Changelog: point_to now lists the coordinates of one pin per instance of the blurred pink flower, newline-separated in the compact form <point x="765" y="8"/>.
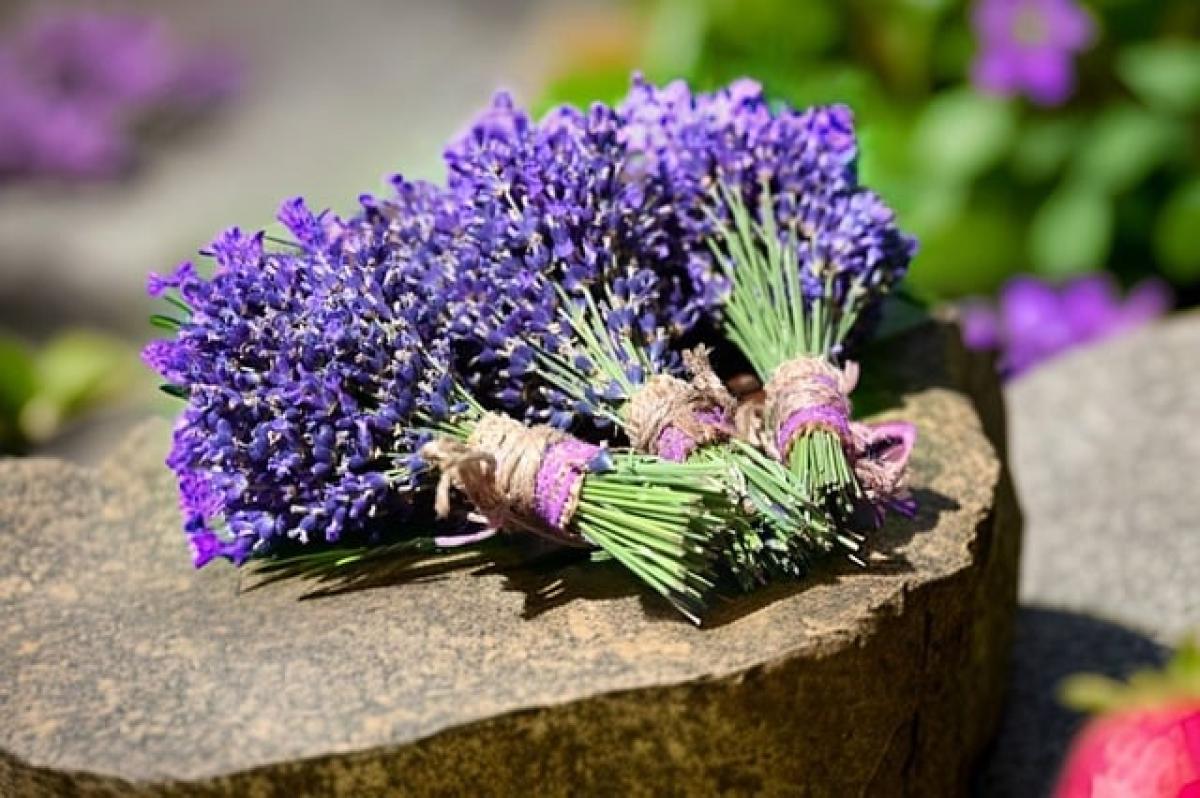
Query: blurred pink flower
<point x="1137" y="753"/>
<point x="1028" y="47"/>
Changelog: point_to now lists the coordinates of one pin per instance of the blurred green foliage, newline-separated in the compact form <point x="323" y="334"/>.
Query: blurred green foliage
<point x="991" y="186"/>
<point x="43" y="388"/>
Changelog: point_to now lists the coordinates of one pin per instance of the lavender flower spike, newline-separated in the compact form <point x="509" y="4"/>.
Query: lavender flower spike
<point x="301" y="367"/>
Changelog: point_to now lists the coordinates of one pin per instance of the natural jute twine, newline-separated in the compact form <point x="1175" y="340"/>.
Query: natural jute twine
<point x="497" y="468"/>
<point x="667" y="402"/>
<point x="806" y="393"/>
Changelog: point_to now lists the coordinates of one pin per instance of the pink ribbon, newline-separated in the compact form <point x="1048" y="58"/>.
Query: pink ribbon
<point x="880" y="453"/>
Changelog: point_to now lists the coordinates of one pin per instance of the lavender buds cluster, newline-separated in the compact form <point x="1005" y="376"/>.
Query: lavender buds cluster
<point x="364" y="376"/>
<point x="301" y="365"/>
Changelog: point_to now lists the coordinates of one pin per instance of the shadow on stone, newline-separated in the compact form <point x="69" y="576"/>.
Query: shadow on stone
<point x="552" y="582"/>
<point x="1036" y="728"/>
<point x="560" y="578"/>
<point x="550" y="578"/>
<point x="897" y="532"/>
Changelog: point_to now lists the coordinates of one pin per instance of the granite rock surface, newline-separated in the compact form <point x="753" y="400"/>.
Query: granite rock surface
<point x="126" y="673"/>
<point x="1106" y="460"/>
<point x="1106" y="447"/>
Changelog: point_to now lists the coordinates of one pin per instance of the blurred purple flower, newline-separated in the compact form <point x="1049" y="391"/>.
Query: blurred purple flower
<point x="74" y="83"/>
<point x="1035" y="321"/>
<point x="1028" y="46"/>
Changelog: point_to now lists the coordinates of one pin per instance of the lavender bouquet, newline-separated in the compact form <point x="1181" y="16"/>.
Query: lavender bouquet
<point x="616" y="369"/>
<point x="350" y="388"/>
<point x="660" y="519"/>
<point x="691" y="161"/>
<point x="316" y="376"/>
<point x="621" y="199"/>
<point x="795" y="341"/>
<point x="302" y="366"/>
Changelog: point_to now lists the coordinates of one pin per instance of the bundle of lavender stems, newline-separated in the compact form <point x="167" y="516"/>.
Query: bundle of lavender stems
<point x="522" y="353"/>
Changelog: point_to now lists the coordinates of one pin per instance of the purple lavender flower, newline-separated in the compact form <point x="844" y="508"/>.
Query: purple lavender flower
<point x="548" y="203"/>
<point x="607" y="353"/>
<point x="627" y="196"/>
<point x="1036" y="321"/>
<point x="303" y="365"/>
<point x="689" y="144"/>
<point x="1028" y="47"/>
<point x="73" y="83"/>
<point x="302" y="368"/>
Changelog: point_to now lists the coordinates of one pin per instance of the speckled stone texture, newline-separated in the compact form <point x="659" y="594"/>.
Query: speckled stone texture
<point x="1123" y="475"/>
<point x="124" y="672"/>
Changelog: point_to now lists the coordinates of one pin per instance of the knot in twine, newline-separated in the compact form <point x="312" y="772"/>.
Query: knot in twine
<point x="880" y="454"/>
<point x="807" y="393"/>
<point x="670" y="417"/>
<point x="518" y="477"/>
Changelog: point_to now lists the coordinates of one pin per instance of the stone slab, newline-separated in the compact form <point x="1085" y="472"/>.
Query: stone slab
<point x="1106" y="447"/>
<point x="126" y="673"/>
<point x="1106" y="459"/>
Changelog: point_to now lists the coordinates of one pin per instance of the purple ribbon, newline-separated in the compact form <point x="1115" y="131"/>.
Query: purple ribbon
<point x="881" y="454"/>
<point x="563" y="465"/>
<point x="829" y="416"/>
<point x="677" y="446"/>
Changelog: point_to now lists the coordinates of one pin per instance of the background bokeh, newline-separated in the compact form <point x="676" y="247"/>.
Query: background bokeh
<point x="992" y="185"/>
<point x="996" y="178"/>
<point x="331" y="98"/>
<point x="1044" y="152"/>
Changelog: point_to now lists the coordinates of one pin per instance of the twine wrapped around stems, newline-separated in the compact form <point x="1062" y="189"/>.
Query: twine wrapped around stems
<point x="671" y="418"/>
<point x="808" y="393"/>
<point x="878" y="453"/>
<point x="518" y="477"/>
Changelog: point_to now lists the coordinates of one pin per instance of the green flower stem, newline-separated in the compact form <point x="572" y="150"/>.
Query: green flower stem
<point x="771" y="321"/>
<point x="767" y="522"/>
<point x="651" y="516"/>
<point x="819" y="461"/>
<point x="348" y="565"/>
